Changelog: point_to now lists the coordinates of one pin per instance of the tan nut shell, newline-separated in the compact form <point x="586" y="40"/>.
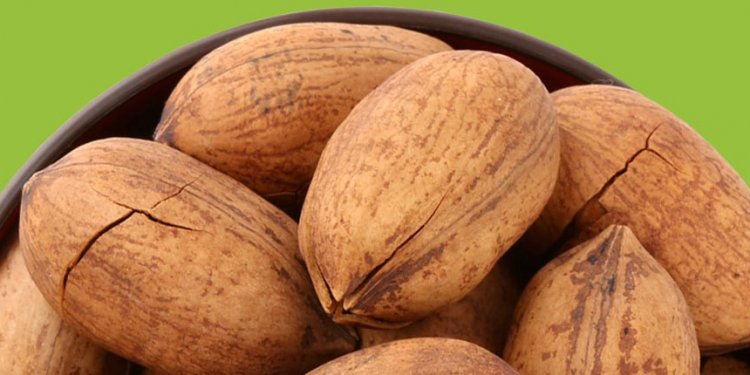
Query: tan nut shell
<point x="426" y="184"/>
<point x="603" y="307"/>
<point x="33" y="338"/>
<point x="627" y="160"/>
<point x="420" y="356"/>
<point x="167" y="262"/>
<point x="483" y="317"/>
<point x="262" y="107"/>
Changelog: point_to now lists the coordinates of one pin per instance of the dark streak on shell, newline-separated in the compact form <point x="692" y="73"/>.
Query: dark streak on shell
<point x="618" y="314"/>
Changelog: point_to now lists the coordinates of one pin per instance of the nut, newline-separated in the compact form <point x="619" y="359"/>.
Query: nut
<point x="34" y="340"/>
<point x="158" y="258"/>
<point x="418" y="356"/>
<point x="262" y="107"/>
<point x="603" y="307"/>
<point x="627" y="160"/>
<point x="425" y="185"/>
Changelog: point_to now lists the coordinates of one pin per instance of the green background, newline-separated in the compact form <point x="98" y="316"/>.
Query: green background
<point x="57" y="56"/>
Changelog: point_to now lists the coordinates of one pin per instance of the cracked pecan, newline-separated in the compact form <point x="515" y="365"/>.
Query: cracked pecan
<point x="161" y="259"/>
<point x="424" y="186"/>
<point x="627" y="160"/>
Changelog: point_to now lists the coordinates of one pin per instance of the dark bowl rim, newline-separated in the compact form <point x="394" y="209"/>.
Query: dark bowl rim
<point x="416" y="19"/>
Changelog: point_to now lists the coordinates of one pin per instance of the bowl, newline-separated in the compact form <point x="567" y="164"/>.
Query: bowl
<point x="132" y="108"/>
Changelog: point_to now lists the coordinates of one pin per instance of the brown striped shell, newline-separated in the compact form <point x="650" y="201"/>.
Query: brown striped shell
<point x="33" y="338"/>
<point x="262" y="107"/>
<point x="627" y="160"/>
<point x="603" y="307"/>
<point x="165" y="261"/>
<point x="420" y="356"/>
<point x="426" y="184"/>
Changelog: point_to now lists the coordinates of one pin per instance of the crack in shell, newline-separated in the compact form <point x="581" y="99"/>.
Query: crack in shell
<point x="96" y="236"/>
<point x="580" y="220"/>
